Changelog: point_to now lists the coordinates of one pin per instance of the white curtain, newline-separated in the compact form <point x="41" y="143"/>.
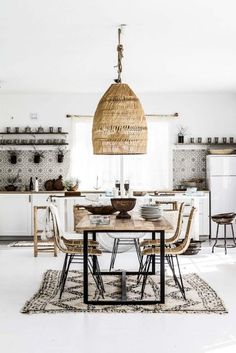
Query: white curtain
<point x="145" y="172"/>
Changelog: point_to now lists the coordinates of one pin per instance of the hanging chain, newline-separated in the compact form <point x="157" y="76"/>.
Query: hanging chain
<point x="119" y="57"/>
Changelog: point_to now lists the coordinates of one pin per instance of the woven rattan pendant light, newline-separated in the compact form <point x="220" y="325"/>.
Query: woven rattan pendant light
<point x="119" y="124"/>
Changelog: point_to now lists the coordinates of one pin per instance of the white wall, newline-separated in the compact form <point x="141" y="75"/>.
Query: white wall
<point x="205" y="114"/>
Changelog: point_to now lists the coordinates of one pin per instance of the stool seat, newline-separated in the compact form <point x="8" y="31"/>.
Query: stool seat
<point x="224" y="217"/>
<point x="223" y="220"/>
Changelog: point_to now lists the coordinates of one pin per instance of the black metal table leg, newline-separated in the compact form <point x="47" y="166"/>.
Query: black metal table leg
<point x="85" y="267"/>
<point x="153" y="258"/>
<point x="162" y="266"/>
<point x="123" y="286"/>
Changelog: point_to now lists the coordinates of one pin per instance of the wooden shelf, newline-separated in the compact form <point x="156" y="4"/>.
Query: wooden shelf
<point x="207" y="144"/>
<point x="202" y="146"/>
<point x="34" y="144"/>
<point x="33" y="133"/>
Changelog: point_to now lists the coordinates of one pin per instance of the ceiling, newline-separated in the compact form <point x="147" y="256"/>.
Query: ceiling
<point x="70" y="46"/>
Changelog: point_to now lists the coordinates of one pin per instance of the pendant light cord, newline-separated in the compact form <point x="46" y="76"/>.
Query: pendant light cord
<point x="119" y="57"/>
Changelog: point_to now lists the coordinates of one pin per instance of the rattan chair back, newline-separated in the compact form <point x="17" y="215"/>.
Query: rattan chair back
<point x="183" y="246"/>
<point x="179" y="225"/>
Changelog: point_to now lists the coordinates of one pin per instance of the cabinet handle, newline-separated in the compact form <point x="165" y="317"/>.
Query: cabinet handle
<point x="29" y="198"/>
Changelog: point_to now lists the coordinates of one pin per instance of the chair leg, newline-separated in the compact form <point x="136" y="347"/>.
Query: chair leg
<point x="65" y="275"/>
<point x="170" y="262"/>
<point x="98" y="272"/>
<point x="95" y="278"/>
<point x="180" y="284"/>
<point x="217" y="232"/>
<point x="63" y="269"/>
<point x="115" y="249"/>
<point x="146" y="270"/>
<point x="141" y="266"/>
<point x="113" y="255"/>
<point x="137" y="248"/>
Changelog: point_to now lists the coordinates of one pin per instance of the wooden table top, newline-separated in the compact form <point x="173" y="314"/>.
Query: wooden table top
<point x="126" y="225"/>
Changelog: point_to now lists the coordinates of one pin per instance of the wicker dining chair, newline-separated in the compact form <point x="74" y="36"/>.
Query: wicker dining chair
<point x="169" y="240"/>
<point x="73" y="250"/>
<point x="171" y="253"/>
<point x="174" y="236"/>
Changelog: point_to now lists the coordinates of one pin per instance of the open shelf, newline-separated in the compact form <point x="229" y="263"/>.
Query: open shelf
<point x="202" y="146"/>
<point x="207" y="144"/>
<point x="34" y="133"/>
<point x="34" y="144"/>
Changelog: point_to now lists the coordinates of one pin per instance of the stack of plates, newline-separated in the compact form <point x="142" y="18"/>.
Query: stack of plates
<point x="150" y="212"/>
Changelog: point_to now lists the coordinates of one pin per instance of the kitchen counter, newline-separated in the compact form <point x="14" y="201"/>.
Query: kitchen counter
<point x="74" y="193"/>
<point x="21" y="204"/>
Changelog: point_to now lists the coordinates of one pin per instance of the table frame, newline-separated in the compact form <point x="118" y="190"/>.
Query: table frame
<point x="124" y="273"/>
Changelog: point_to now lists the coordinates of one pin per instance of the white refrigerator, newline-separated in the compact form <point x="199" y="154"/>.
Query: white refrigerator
<point x="221" y="180"/>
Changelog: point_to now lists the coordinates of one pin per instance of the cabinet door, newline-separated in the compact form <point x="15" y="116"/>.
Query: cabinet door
<point x="15" y="215"/>
<point x="204" y="216"/>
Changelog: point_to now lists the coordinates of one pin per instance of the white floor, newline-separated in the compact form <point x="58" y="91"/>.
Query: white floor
<point x="20" y="276"/>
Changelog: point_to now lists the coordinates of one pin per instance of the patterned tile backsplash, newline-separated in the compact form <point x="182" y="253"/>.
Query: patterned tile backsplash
<point x="48" y="168"/>
<point x="188" y="164"/>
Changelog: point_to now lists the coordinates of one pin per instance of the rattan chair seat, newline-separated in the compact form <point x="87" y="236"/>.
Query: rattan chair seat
<point x="72" y="242"/>
<point x="76" y="250"/>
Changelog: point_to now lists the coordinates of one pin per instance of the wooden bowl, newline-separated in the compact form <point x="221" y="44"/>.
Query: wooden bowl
<point x="11" y="188"/>
<point x="123" y="205"/>
<point x="100" y="210"/>
<point x="221" y="151"/>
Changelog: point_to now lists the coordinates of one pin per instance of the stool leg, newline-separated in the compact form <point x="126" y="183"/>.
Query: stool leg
<point x="225" y="243"/>
<point x="217" y="232"/>
<point x="232" y="228"/>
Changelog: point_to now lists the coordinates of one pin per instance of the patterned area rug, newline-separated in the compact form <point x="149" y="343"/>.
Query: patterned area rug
<point x="201" y="298"/>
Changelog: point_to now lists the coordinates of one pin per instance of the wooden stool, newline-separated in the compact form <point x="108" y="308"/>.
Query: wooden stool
<point x="224" y="219"/>
<point x="51" y="247"/>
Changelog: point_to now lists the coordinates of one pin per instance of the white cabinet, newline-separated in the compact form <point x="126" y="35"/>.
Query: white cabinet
<point x="15" y="215"/>
<point x="204" y="227"/>
<point x="16" y="211"/>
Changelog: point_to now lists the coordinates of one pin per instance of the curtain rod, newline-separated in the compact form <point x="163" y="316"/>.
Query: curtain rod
<point x="175" y="115"/>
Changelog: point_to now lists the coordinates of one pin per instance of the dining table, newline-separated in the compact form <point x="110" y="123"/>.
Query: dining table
<point x="133" y="225"/>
